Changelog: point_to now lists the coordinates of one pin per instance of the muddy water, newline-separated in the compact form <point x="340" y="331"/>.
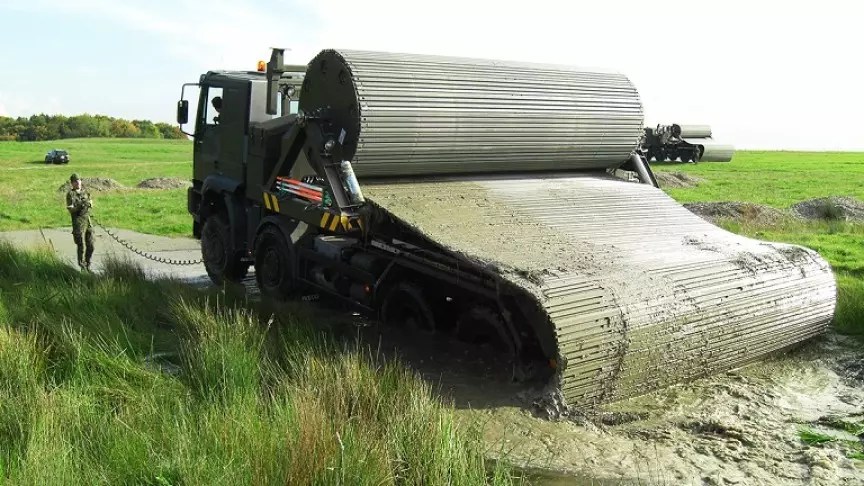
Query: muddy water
<point x="736" y="428"/>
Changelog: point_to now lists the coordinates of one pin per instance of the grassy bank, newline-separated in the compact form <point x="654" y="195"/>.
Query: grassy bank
<point x="116" y="380"/>
<point x="777" y="179"/>
<point x="28" y="187"/>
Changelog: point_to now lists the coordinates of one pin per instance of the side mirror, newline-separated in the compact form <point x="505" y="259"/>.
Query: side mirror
<point x="182" y="112"/>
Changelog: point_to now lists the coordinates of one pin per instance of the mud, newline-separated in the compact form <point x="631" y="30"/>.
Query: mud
<point x="830" y="208"/>
<point x="164" y="183"/>
<point x="676" y="180"/>
<point x="757" y="214"/>
<point x="97" y="184"/>
<point x="741" y="427"/>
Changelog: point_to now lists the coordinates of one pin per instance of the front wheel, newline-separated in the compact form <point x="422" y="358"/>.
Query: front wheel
<point x="275" y="265"/>
<point x="220" y="259"/>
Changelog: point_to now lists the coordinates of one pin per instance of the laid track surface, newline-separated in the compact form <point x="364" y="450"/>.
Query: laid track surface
<point x="641" y="292"/>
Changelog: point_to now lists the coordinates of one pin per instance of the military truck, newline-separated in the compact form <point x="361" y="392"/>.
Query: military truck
<point x="478" y="198"/>
<point x="689" y="143"/>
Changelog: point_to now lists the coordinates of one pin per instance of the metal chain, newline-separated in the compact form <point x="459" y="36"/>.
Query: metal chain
<point x="143" y="254"/>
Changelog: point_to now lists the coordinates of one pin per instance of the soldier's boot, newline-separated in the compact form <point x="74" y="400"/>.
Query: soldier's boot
<point x="79" y="247"/>
<point x="89" y="253"/>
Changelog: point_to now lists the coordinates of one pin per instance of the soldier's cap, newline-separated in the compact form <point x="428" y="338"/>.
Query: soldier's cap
<point x="73" y="177"/>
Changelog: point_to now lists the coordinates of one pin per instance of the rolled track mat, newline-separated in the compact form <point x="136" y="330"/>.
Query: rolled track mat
<point x="713" y="151"/>
<point x="408" y="114"/>
<point x="639" y="292"/>
<point x="695" y="131"/>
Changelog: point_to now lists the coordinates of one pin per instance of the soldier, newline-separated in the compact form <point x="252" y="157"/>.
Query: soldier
<point x="217" y="105"/>
<point x="78" y="203"/>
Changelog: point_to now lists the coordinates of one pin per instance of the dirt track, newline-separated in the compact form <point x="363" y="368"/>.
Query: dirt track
<point x="60" y="240"/>
<point x="736" y="428"/>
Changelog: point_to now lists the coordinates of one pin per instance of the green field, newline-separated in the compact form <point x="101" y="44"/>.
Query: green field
<point x="28" y="187"/>
<point x="777" y="179"/>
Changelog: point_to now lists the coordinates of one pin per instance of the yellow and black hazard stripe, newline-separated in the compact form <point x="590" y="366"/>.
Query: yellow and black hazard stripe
<point x="332" y="222"/>
<point x="270" y="202"/>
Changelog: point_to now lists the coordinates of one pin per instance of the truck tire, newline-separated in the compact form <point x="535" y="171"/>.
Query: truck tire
<point x="221" y="261"/>
<point x="406" y="306"/>
<point x="275" y="264"/>
<point x="481" y="325"/>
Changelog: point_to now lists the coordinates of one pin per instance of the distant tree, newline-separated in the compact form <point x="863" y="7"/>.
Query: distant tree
<point x="170" y="131"/>
<point x="147" y="129"/>
<point x="124" y="129"/>
<point x="58" y="127"/>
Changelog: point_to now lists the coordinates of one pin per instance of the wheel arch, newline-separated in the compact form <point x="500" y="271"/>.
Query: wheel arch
<point x="291" y="229"/>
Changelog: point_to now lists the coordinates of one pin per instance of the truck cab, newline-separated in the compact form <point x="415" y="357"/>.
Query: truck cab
<point x="228" y="170"/>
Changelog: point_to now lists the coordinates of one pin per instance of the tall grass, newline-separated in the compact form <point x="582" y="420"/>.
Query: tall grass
<point x="116" y="380"/>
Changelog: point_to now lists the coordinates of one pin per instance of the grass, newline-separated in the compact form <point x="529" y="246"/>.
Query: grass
<point x="118" y="380"/>
<point x="853" y="449"/>
<point x="28" y="187"/>
<point x="812" y="437"/>
<point x="777" y="179"/>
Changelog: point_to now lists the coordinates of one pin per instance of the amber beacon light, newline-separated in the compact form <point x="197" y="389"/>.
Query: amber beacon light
<point x="262" y="66"/>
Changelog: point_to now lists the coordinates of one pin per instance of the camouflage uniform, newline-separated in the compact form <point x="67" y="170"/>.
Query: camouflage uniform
<point x="78" y="202"/>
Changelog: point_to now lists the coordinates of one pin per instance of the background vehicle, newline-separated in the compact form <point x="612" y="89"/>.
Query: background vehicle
<point x="689" y="143"/>
<point x="57" y="156"/>
<point x="451" y="195"/>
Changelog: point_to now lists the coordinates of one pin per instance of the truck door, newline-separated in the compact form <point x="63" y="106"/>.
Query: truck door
<point x="220" y="146"/>
<point x="233" y="123"/>
<point x="207" y="146"/>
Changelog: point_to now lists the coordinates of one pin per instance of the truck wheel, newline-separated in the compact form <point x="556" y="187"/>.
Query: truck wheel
<point x="406" y="306"/>
<point x="481" y="325"/>
<point x="218" y="254"/>
<point x="274" y="264"/>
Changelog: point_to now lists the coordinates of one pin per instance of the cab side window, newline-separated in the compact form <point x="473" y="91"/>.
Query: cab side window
<point x="213" y="106"/>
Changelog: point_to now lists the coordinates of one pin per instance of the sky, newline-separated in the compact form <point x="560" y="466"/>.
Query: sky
<point x="765" y="74"/>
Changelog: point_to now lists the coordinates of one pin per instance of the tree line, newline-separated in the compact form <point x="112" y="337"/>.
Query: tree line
<point x="57" y="127"/>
